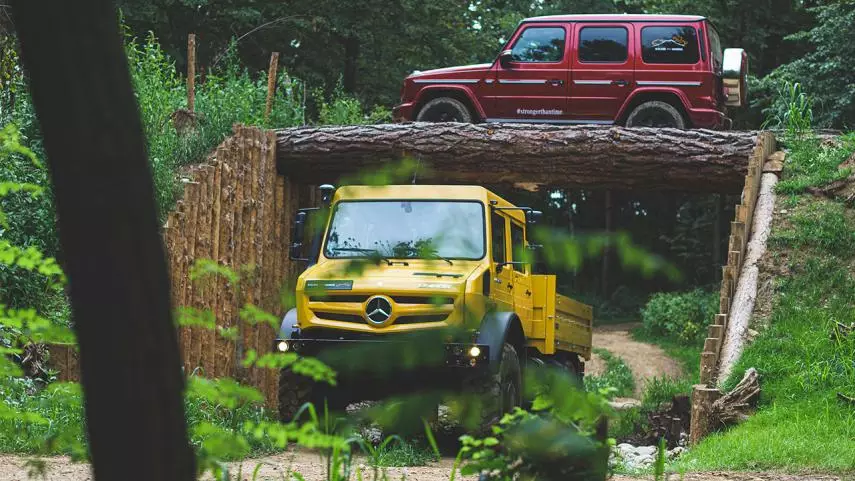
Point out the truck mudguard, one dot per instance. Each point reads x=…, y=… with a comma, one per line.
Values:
x=496, y=329
x=287, y=329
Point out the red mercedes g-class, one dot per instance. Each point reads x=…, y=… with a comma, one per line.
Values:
x=633, y=70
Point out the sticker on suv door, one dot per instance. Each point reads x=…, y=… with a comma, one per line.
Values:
x=539, y=112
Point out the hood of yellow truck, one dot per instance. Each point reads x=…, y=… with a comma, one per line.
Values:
x=415, y=270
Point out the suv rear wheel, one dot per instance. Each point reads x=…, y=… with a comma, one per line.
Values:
x=444, y=109
x=656, y=113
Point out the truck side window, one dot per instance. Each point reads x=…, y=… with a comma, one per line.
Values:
x=498, y=228
x=674, y=45
x=603, y=44
x=517, y=245
x=539, y=44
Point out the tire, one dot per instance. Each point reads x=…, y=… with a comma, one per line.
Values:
x=656, y=114
x=501, y=392
x=296, y=390
x=444, y=109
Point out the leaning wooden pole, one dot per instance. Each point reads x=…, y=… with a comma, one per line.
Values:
x=191, y=72
x=271, y=84
x=582, y=156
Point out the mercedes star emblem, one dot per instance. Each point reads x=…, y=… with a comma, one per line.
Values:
x=378, y=310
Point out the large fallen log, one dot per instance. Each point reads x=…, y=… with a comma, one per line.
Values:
x=589, y=156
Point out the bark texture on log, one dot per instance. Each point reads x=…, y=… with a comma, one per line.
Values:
x=592, y=156
x=735, y=406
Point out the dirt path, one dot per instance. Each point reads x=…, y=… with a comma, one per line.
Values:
x=644, y=360
x=13, y=468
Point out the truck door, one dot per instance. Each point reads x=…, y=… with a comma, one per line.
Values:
x=602, y=70
x=523, y=300
x=502, y=291
x=532, y=86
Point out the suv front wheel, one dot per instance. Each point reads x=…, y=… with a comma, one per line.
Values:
x=444, y=109
x=656, y=114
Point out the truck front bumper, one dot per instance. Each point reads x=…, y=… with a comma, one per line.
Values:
x=455, y=355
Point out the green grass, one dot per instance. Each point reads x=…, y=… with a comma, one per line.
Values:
x=617, y=376
x=54, y=414
x=403, y=454
x=812, y=164
x=800, y=425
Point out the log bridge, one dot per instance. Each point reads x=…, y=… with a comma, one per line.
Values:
x=237, y=206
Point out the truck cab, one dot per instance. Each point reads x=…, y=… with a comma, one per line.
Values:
x=632, y=70
x=395, y=261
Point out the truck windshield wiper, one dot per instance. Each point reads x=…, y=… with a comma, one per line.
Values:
x=375, y=253
x=433, y=255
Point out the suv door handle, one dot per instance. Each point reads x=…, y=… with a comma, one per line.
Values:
x=555, y=82
x=620, y=83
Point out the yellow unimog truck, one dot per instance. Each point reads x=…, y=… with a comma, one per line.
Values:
x=391, y=262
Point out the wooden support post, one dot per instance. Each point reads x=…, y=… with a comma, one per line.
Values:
x=191, y=72
x=271, y=84
x=703, y=398
x=607, y=252
x=709, y=361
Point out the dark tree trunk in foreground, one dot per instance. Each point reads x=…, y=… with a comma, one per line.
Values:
x=585, y=156
x=108, y=228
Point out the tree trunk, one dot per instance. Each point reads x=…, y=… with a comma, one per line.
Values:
x=108, y=226
x=735, y=406
x=587, y=156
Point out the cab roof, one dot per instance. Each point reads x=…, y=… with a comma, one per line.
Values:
x=616, y=18
x=426, y=192
x=422, y=192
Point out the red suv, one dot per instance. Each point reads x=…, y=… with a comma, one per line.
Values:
x=633, y=70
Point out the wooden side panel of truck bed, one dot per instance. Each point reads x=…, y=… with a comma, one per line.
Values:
x=560, y=323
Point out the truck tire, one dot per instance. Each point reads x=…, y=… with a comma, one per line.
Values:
x=656, y=113
x=295, y=390
x=444, y=109
x=500, y=392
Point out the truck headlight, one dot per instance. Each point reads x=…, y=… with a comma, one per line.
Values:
x=474, y=351
x=283, y=346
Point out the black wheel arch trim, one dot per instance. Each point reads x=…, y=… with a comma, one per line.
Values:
x=497, y=328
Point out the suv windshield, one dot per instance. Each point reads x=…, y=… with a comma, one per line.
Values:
x=406, y=229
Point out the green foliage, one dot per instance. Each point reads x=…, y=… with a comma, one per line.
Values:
x=616, y=381
x=38, y=420
x=557, y=440
x=794, y=111
x=659, y=390
x=826, y=66
x=813, y=163
x=682, y=317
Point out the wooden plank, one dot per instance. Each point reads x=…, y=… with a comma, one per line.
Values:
x=711, y=345
x=708, y=367
x=715, y=331
x=192, y=192
x=720, y=320
x=212, y=302
x=203, y=250
x=225, y=294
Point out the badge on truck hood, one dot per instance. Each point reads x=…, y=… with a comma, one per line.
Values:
x=328, y=285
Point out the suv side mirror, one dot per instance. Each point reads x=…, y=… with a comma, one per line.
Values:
x=505, y=58
x=298, y=231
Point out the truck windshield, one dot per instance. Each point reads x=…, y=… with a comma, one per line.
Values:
x=407, y=229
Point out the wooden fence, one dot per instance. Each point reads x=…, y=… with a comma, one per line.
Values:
x=235, y=210
x=740, y=234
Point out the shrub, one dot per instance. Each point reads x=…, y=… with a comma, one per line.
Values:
x=617, y=380
x=682, y=317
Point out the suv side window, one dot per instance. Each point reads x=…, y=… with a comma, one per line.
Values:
x=603, y=44
x=539, y=44
x=498, y=235
x=674, y=45
x=517, y=245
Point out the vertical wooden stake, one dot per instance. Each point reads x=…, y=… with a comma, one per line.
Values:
x=191, y=72
x=271, y=84
x=607, y=252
